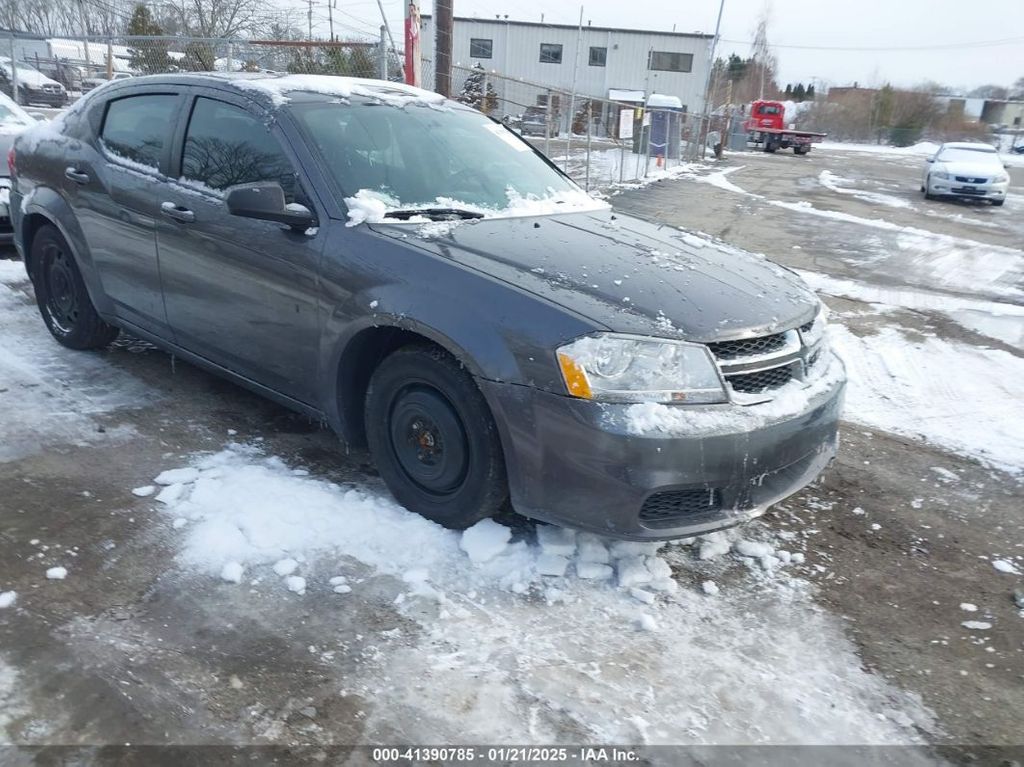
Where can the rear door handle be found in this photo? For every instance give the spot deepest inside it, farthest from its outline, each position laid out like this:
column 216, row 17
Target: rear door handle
column 73, row 174
column 177, row 212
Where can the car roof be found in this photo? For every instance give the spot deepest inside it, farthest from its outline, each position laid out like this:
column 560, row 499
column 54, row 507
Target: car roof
column 973, row 146
column 275, row 89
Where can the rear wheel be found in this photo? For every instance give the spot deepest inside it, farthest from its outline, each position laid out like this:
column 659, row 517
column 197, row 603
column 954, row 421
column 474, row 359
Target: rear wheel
column 434, row 439
column 770, row 146
column 801, row 149
column 63, row 301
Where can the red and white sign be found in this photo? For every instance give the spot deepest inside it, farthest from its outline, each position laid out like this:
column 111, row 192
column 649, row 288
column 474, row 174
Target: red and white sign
column 412, row 44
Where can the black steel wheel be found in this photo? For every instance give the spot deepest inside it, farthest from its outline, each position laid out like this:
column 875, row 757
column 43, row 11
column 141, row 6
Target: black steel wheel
column 63, row 300
column 434, row 439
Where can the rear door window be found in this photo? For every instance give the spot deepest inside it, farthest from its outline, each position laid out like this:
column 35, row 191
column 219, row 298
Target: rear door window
column 137, row 128
column 225, row 145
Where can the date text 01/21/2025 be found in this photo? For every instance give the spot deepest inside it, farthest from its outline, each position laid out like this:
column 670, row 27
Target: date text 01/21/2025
column 503, row 754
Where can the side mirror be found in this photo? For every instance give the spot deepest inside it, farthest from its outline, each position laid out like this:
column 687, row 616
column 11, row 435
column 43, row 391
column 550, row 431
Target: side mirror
column 931, row 159
column 264, row 200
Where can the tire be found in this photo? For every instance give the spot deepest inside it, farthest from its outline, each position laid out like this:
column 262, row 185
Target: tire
column 434, row 439
column 770, row 147
column 998, row 203
column 63, row 301
column 800, row 150
column 927, row 184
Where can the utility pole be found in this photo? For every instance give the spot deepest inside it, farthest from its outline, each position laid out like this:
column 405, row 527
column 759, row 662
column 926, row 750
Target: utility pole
column 707, row 82
column 85, row 37
column 330, row 17
column 572, row 96
column 387, row 27
column 382, row 53
column 309, row 19
column 443, row 47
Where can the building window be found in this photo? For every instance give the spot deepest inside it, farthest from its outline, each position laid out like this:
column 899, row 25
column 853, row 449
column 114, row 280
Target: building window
column 550, row 53
column 480, row 48
column 598, row 56
column 668, row 61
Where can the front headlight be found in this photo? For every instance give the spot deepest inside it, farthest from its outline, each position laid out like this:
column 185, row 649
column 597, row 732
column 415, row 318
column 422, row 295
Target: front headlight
column 1001, row 177
column 941, row 174
column 622, row 368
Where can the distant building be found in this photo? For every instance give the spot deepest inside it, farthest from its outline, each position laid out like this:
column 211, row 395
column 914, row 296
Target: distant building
column 617, row 64
column 1008, row 113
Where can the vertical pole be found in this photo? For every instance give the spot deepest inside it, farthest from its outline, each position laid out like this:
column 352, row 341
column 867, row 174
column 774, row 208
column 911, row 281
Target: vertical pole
column 707, row 82
column 330, row 19
column 622, row 150
column 485, row 106
column 413, row 63
column 14, row 74
column 383, row 53
column 230, row 57
column 572, row 96
column 444, row 20
column 309, row 21
column 387, row 27
column 547, row 126
column 85, row 37
column 110, row 59
column 590, row 114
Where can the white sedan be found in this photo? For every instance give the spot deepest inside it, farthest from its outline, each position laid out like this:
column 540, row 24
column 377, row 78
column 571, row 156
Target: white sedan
column 966, row 170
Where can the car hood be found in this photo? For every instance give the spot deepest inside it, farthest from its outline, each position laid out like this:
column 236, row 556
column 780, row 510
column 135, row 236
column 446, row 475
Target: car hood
column 626, row 274
column 972, row 169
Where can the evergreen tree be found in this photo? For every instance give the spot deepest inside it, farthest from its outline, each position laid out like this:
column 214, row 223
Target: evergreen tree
column 473, row 91
column 150, row 57
column 810, row 92
column 789, row 92
column 799, row 92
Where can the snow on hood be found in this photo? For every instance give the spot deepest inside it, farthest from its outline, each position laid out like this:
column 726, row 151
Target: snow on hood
column 974, row 169
column 371, row 207
column 30, row 77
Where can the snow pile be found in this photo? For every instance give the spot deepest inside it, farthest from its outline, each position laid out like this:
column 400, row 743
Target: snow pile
column 368, row 206
column 794, row 398
column 960, row 397
column 920, row 149
column 515, row 643
column 7, row 598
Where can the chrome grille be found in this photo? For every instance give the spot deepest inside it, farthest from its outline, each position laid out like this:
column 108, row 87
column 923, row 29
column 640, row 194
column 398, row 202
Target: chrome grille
column 970, row 180
column 748, row 347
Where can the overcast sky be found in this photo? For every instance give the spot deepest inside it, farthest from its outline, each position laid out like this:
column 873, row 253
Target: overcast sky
column 891, row 24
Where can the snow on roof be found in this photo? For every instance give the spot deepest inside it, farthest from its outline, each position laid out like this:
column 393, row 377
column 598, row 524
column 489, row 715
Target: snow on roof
column 973, row 146
column 398, row 94
column 662, row 101
column 622, row 94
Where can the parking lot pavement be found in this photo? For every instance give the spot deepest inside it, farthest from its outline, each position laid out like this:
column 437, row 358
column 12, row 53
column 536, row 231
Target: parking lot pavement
column 289, row 601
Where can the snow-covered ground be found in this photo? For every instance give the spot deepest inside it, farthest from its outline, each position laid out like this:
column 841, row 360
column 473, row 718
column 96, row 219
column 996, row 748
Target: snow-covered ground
column 527, row 640
column 49, row 394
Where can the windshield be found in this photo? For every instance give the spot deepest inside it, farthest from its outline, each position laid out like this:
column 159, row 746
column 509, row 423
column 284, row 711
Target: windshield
column 422, row 156
column 979, row 155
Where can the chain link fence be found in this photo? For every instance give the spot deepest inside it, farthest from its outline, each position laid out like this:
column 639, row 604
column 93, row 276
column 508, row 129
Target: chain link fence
column 598, row 142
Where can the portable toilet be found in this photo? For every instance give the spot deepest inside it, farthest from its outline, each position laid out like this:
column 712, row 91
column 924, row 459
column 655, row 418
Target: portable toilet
column 665, row 125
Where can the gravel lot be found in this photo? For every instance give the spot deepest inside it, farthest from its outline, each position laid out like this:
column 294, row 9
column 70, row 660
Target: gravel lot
column 860, row 642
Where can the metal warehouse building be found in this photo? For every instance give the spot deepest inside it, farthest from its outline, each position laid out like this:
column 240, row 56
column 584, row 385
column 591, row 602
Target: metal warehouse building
column 617, row 64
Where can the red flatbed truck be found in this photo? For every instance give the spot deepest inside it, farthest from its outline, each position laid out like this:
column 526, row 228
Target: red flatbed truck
column 766, row 129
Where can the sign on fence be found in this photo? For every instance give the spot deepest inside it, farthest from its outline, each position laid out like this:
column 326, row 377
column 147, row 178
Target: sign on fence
column 625, row 123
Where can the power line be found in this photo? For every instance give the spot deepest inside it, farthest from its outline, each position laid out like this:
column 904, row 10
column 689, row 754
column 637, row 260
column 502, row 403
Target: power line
column 893, row 48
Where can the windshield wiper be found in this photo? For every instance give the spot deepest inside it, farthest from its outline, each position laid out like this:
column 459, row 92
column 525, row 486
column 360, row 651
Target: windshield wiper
column 435, row 214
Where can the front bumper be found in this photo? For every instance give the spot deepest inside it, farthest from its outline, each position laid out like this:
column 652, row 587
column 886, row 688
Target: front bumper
column 954, row 188
column 582, row 464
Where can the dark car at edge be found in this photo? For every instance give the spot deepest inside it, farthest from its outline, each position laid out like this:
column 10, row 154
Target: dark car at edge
column 422, row 279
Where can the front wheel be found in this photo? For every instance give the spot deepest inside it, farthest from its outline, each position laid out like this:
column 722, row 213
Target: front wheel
column 926, row 189
column 434, row 439
column 62, row 297
column 998, row 203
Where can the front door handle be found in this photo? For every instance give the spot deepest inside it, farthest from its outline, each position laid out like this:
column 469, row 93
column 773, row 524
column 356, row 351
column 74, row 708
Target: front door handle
column 177, row 212
column 73, row 174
